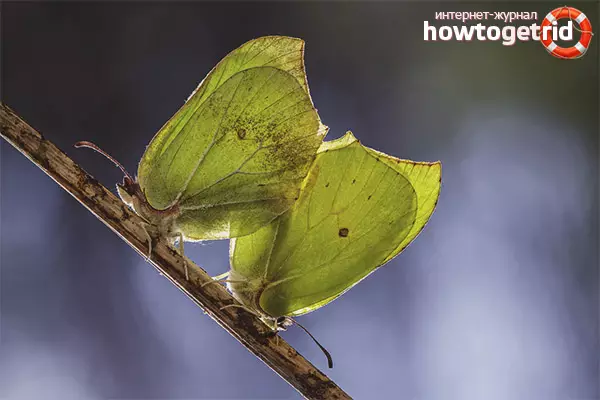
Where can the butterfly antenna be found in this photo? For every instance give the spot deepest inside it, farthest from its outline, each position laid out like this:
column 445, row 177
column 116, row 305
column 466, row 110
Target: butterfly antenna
column 323, row 349
column 97, row 149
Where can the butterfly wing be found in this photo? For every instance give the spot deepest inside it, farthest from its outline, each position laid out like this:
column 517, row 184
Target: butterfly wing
column 234, row 156
column 353, row 213
column 426, row 179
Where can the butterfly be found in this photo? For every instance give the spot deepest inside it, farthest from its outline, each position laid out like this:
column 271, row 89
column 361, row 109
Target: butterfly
column 358, row 209
column 234, row 156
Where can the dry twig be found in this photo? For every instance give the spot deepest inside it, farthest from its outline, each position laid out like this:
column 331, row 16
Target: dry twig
column 245, row 327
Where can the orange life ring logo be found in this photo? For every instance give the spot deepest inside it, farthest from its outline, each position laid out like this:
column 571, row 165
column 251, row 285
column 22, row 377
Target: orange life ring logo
column 549, row 23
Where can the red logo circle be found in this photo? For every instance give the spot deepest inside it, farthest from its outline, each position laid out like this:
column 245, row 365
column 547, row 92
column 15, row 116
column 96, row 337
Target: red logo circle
column 585, row 27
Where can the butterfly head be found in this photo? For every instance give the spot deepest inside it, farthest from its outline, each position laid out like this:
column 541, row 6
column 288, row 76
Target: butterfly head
column 283, row 323
column 129, row 190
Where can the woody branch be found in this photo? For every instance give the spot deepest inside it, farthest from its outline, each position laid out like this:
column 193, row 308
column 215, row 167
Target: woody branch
column 242, row 325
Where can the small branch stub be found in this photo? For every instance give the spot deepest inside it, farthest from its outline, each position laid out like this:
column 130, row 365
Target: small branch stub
column 242, row 325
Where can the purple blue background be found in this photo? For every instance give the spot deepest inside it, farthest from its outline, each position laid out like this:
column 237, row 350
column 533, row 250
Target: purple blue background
column 496, row 300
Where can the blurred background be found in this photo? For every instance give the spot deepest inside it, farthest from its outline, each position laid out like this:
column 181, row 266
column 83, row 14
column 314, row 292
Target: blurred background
column 497, row 299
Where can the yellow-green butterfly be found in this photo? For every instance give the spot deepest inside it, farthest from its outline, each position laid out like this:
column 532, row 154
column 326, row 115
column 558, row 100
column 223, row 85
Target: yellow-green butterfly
column 234, row 156
column 357, row 210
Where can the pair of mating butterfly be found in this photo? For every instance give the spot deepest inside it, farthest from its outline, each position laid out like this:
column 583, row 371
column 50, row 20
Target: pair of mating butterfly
column 244, row 158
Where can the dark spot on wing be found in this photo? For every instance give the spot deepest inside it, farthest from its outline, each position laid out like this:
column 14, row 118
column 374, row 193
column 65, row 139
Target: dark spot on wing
column 369, row 198
column 327, row 184
column 343, row 232
column 353, row 181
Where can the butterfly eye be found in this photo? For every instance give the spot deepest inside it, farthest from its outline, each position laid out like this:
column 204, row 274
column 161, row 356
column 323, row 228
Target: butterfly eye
column 128, row 183
column 129, row 186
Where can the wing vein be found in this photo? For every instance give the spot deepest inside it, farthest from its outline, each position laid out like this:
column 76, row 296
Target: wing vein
column 262, row 50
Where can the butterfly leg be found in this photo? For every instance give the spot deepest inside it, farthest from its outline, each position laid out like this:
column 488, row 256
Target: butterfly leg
column 219, row 281
column 181, row 252
column 145, row 226
column 221, row 277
